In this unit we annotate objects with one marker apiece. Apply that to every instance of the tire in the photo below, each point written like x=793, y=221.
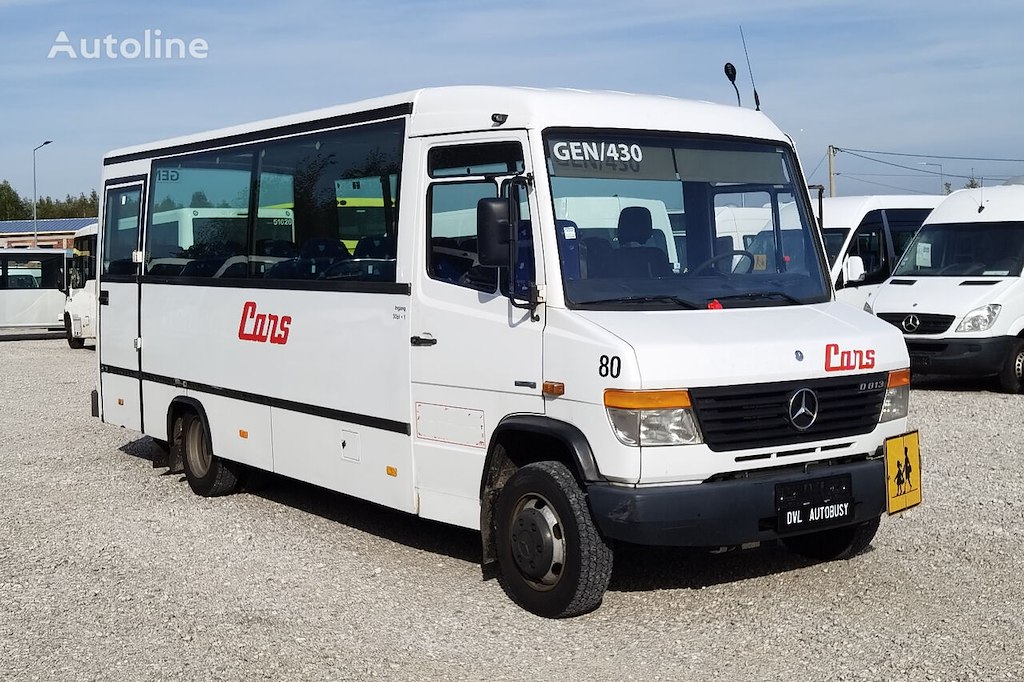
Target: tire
x=207, y=474
x=552, y=560
x=1011, y=377
x=834, y=543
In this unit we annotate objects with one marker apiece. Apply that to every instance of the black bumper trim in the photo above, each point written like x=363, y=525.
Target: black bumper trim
x=721, y=513
x=963, y=357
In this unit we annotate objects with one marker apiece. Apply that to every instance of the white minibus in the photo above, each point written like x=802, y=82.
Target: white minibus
x=875, y=228
x=80, y=307
x=957, y=293
x=32, y=287
x=518, y=343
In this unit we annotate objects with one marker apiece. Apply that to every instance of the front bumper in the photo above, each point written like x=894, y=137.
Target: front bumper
x=963, y=357
x=721, y=513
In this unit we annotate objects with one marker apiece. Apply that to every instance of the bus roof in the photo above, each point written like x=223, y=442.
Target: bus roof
x=848, y=212
x=1003, y=203
x=470, y=108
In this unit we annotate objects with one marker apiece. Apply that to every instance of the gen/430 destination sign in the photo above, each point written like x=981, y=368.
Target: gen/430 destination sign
x=609, y=158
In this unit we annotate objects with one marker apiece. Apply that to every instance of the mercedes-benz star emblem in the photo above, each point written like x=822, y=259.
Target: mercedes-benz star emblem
x=803, y=409
x=911, y=323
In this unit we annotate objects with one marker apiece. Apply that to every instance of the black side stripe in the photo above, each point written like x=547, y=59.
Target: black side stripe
x=290, y=405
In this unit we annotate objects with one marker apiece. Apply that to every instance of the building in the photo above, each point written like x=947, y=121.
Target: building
x=51, y=232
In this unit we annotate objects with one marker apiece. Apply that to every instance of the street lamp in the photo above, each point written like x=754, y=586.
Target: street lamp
x=35, y=220
x=942, y=184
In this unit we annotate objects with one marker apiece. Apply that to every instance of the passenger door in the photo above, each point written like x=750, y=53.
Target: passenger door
x=117, y=344
x=475, y=357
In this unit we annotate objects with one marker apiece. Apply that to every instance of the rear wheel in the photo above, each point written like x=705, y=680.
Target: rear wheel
x=1011, y=377
x=207, y=474
x=834, y=543
x=553, y=561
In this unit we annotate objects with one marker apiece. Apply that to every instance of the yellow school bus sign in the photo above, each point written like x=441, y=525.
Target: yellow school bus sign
x=903, y=471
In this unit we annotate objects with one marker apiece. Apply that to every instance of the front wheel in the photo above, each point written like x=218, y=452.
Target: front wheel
x=834, y=543
x=553, y=560
x=207, y=474
x=1011, y=377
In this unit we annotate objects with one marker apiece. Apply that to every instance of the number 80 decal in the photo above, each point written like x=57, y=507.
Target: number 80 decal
x=610, y=366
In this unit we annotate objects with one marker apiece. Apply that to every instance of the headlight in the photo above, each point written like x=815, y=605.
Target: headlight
x=897, y=396
x=652, y=417
x=980, y=319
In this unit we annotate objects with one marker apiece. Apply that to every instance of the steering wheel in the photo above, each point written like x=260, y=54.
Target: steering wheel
x=722, y=256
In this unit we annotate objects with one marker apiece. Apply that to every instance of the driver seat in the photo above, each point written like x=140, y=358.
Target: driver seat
x=636, y=257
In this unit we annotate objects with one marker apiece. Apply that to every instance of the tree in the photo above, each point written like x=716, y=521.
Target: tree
x=972, y=182
x=12, y=206
x=168, y=204
x=199, y=200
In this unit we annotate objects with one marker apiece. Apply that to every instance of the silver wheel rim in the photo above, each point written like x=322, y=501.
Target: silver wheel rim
x=1018, y=365
x=196, y=450
x=537, y=537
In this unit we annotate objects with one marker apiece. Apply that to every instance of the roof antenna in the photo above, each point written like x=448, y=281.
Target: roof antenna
x=730, y=73
x=757, y=100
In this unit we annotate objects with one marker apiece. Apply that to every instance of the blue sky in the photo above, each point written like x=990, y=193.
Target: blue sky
x=913, y=77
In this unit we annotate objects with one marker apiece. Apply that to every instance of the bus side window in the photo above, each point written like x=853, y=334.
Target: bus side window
x=121, y=230
x=328, y=206
x=199, y=221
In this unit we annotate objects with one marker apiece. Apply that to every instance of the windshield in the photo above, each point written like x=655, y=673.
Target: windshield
x=835, y=237
x=965, y=249
x=680, y=221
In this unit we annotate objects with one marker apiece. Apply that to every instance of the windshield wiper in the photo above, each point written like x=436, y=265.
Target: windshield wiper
x=659, y=298
x=756, y=295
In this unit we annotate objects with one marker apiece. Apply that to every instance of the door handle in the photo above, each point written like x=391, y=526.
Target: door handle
x=423, y=341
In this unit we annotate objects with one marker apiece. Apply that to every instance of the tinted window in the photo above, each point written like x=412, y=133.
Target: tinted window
x=121, y=230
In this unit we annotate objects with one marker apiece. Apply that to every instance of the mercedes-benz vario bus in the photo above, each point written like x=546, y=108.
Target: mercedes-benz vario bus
x=520, y=345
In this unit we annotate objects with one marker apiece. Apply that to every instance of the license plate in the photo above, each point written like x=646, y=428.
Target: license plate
x=903, y=471
x=802, y=505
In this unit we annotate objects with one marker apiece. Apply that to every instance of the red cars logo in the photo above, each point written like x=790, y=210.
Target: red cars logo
x=263, y=327
x=837, y=360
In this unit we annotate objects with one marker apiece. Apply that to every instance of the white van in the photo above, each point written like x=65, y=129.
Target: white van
x=518, y=344
x=875, y=228
x=957, y=293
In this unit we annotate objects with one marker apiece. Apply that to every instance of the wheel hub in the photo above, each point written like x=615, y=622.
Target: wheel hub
x=537, y=543
x=1018, y=365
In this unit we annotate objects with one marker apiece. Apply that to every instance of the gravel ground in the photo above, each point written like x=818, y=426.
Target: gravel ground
x=113, y=570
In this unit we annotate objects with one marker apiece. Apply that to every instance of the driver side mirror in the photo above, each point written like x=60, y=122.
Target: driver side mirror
x=853, y=270
x=493, y=231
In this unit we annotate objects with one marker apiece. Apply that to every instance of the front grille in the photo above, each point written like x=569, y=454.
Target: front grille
x=757, y=415
x=928, y=323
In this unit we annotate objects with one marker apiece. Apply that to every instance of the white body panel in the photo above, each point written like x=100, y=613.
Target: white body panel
x=26, y=300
